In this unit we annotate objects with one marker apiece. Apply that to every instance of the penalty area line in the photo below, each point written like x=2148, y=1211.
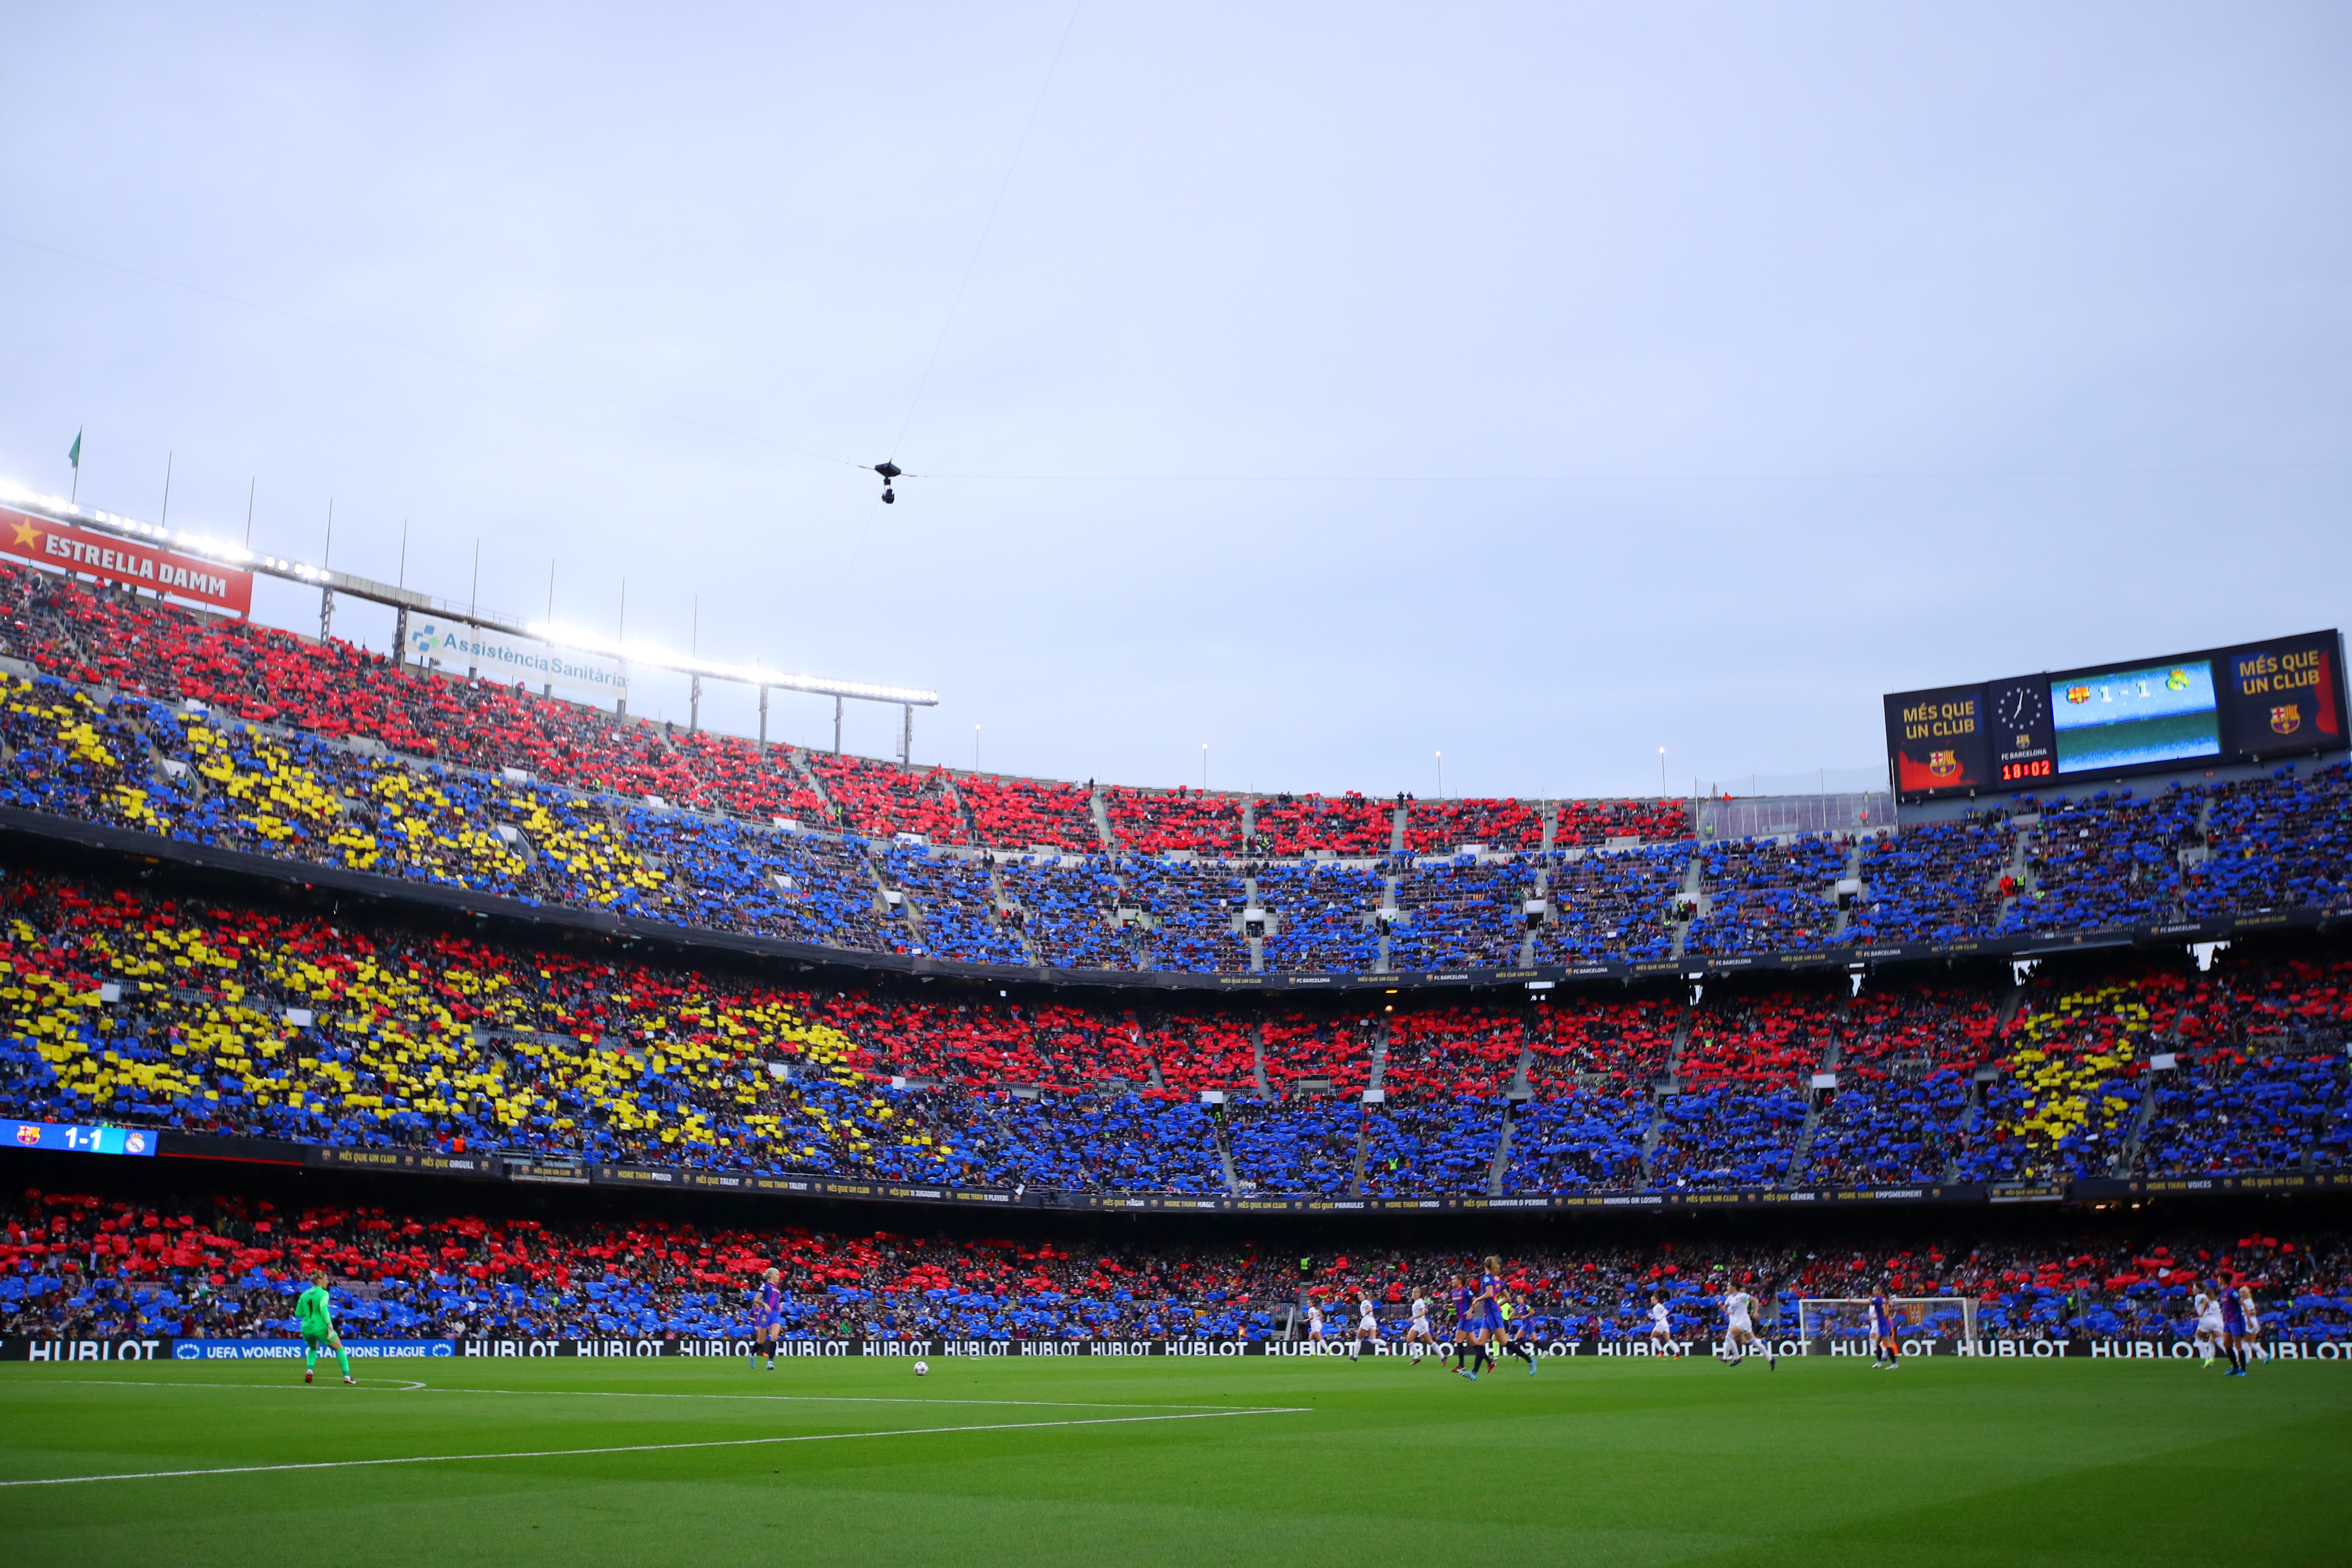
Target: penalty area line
x=648, y=1448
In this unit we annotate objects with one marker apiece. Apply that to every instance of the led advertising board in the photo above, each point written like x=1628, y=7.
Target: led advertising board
x=2280, y=698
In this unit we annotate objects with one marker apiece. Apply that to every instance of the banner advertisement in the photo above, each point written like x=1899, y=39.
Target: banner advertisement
x=293, y=1350
x=2286, y=695
x=1937, y=739
x=61, y=547
x=456, y=644
x=40, y=1350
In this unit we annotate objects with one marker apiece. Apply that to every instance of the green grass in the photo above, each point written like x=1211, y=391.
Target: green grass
x=1824, y=1462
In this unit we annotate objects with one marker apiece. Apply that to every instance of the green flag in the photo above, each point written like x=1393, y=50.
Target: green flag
x=73, y=454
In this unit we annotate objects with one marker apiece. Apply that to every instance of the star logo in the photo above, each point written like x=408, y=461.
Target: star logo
x=27, y=536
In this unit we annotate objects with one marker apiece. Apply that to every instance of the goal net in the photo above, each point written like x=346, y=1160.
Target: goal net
x=1916, y=1317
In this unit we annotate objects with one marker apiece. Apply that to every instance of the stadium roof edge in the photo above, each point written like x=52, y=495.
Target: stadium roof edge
x=414, y=600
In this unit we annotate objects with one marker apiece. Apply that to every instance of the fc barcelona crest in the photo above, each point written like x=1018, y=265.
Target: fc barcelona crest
x=1944, y=764
x=2287, y=718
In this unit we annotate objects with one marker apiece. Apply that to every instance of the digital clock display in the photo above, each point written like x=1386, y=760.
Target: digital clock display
x=2022, y=741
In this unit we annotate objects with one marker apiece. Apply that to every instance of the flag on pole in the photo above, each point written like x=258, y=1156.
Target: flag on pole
x=73, y=454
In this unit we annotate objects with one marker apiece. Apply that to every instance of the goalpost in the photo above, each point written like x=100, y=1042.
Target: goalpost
x=1916, y=1317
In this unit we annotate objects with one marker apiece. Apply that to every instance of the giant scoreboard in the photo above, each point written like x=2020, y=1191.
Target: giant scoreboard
x=2280, y=698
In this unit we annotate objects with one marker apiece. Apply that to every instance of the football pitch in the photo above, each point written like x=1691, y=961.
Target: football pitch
x=1098, y=1461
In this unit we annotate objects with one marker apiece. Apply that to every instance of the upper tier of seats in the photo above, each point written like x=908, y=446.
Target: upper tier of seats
x=223, y=1018
x=100, y=637
x=276, y=745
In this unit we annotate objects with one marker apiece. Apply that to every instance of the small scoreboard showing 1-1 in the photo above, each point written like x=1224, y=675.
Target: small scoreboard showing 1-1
x=2284, y=697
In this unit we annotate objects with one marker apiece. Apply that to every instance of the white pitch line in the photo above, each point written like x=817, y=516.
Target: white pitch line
x=650, y=1448
x=408, y=1386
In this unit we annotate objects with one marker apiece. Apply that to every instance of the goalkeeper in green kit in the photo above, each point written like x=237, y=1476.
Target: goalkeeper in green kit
x=315, y=1320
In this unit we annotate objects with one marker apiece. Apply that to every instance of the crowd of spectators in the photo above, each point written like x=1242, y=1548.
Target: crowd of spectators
x=1323, y=916
x=224, y=1264
x=1444, y=827
x=1347, y=825
x=1613, y=904
x=131, y=664
x=295, y=794
x=1938, y=882
x=1766, y=896
x=215, y=1016
x=1462, y=911
x=1155, y=822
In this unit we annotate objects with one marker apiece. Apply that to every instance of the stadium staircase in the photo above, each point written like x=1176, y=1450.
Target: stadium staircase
x=1224, y=1154
x=1257, y=1060
x=2127, y=1152
x=1004, y=906
x=1396, y=830
x=1693, y=881
x=1551, y=823
x=1519, y=1087
x=1388, y=909
x=1673, y=1077
x=1527, y=936
x=1101, y=809
x=1665, y=1089
x=1650, y=1139
x=1852, y=873
x=1801, y=1153
x=1502, y=1164
x=1257, y=944
x=2024, y=832
x=891, y=914
x=963, y=811
x=807, y=776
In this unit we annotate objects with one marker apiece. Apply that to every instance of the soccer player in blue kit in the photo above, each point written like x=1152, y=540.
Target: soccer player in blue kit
x=1498, y=1323
x=1886, y=1354
x=2234, y=1328
x=1469, y=1330
x=767, y=1317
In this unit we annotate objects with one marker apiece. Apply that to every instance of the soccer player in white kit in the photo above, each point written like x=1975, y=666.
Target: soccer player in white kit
x=1315, y=1326
x=2209, y=1328
x=1368, y=1329
x=1737, y=1306
x=1417, y=1332
x=2252, y=1339
x=1662, y=1329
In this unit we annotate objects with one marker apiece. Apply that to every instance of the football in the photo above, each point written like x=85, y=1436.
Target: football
x=922, y=1369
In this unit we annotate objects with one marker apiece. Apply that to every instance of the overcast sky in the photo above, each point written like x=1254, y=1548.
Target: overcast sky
x=1332, y=385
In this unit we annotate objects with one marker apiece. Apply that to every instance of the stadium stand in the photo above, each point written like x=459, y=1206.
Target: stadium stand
x=1156, y=822
x=223, y=1264
x=212, y=1015
x=1444, y=827
x=492, y=790
x=232, y=736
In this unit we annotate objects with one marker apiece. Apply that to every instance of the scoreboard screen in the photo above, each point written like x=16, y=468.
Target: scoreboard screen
x=2284, y=697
